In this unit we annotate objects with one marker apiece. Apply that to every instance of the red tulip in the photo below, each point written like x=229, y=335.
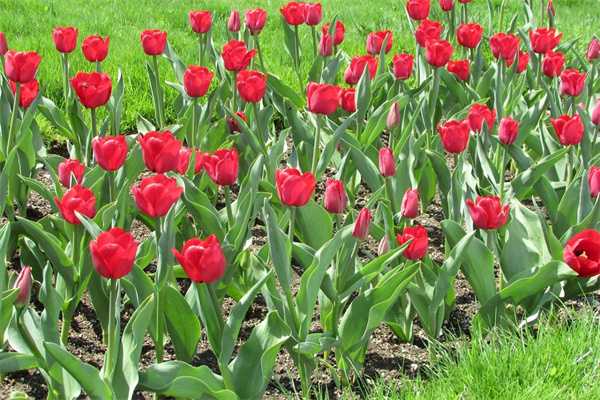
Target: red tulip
x=596, y=114
x=110, y=152
x=582, y=253
x=569, y=130
x=28, y=92
x=232, y=125
x=393, y=118
x=185, y=156
x=446, y=5
x=410, y=204
x=428, y=30
x=543, y=40
x=387, y=163
x=200, y=21
x=375, y=41
x=23, y=283
x=594, y=181
x=153, y=41
x=79, y=199
x=95, y=49
x=20, y=66
x=347, y=100
x=550, y=9
x=65, y=39
x=403, y=65
x=160, y=151
x=438, y=52
x=459, y=68
x=312, y=14
x=113, y=253
x=417, y=249
x=508, y=130
x=293, y=13
x=251, y=85
x=294, y=189
x=68, y=168
x=255, y=20
x=222, y=166
x=522, y=63
x=335, y=197
x=93, y=90
x=571, y=82
x=479, y=113
x=464, y=1
x=234, y=24
x=418, y=9
x=323, y=99
x=593, y=51
x=196, y=81
x=504, y=46
x=3, y=44
x=487, y=212
x=362, y=226
x=236, y=56
x=552, y=64
x=326, y=45
x=384, y=246
x=357, y=66
x=455, y=135
x=469, y=35
x=156, y=195
x=202, y=260
x=338, y=34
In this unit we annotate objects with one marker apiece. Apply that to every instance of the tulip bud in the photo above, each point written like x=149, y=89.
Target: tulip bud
x=387, y=163
x=70, y=167
x=384, y=246
x=335, y=197
x=3, y=45
x=410, y=204
x=232, y=125
x=446, y=5
x=596, y=114
x=393, y=118
x=594, y=180
x=362, y=226
x=234, y=21
x=348, y=100
x=508, y=130
x=569, y=129
x=593, y=51
x=326, y=45
x=23, y=283
x=550, y=9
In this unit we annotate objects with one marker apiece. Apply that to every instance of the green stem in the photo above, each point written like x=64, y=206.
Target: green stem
x=433, y=101
x=98, y=67
x=499, y=92
x=192, y=143
x=65, y=65
x=539, y=70
x=292, y=223
x=260, y=56
x=160, y=100
x=570, y=166
x=230, y=219
x=88, y=140
x=542, y=13
x=344, y=273
x=465, y=16
x=288, y=290
x=502, y=167
x=501, y=16
x=261, y=136
x=297, y=58
x=389, y=190
x=315, y=158
x=114, y=331
x=201, y=49
x=234, y=91
x=66, y=326
x=594, y=140
x=160, y=306
x=12, y=132
x=314, y=37
x=111, y=186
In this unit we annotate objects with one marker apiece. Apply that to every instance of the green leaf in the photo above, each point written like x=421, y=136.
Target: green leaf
x=183, y=326
x=276, y=84
x=6, y=310
x=523, y=182
x=12, y=362
x=331, y=146
x=314, y=224
x=279, y=246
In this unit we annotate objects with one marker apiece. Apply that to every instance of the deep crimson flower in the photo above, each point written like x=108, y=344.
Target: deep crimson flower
x=312, y=14
x=20, y=66
x=569, y=130
x=464, y=1
x=362, y=226
x=196, y=80
x=222, y=166
x=582, y=253
x=185, y=156
x=428, y=30
x=3, y=44
x=479, y=113
x=255, y=20
x=504, y=46
x=469, y=35
x=335, y=197
x=200, y=21
x=232, y=125
x=571, y=82
x=160, y=151
x=596, y=114
x=455, y=135
x=338, y=34
x=322, y=98
x=418, y=9
x=236, y=56
x=95, y=49
x=417, y=249
x=593, y=51
x=357, y=66
x=403, y=65
x=294, y=189
x=347, y=100
x=23, y=283
x=508, y=130
x=113, y=253
x=543, y=40
x=153, y=41
x=438, y=52
x=375, y=41
x=202, y=260
x=293, y=13
x=410, y=204
x=552, y=64
x=459, y=68
x=79, y=199
x=487, y=212
x=110, y=152
x=522, y=63
x=234, y=24
x=446, y=5
x=387, y=163
x=93, y=90
x=28, y=92
x=156, y=195
x=326, y=45
x=65, y=39
x=68, y=168
x=251, y=85
x=594, y=181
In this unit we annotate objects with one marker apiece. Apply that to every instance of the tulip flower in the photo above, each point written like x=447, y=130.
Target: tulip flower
x=552, y=64
x=569, y=130
x=95, y=49
x=232, y=125
x=508, y=130
x=410, y=204
x=522, y=63
x=80, y=199
x=428, y=30
x=110, y=152
x=459, y=68
x=357, y=66
x=23, y=283
x=596, y=114
x=293, y=13
x=312, y=14
x=3, y=44
x=251, y=86
x=487, y=212
x=113, y=253
x=236, y=56
x=446, y=5
x=504, y=46
x=322, y=98
x=594, y=181
x=550, y=9
x=156, y=195
x=160, y=151
x=469, y=35
x=571, y=82
x=418, y=9
x=593, y=51
x=153, y=41
x=234, y=23
x=479, y=113
x=455, y=135
x=347, y=100
x=21, y=67
x=338, y=34
x=29, y=92
x=417, y=249
x=403, y=65
x=375, y=41
x=93, y=90
x=65, y=39
x=294, y=189
x=387, y=163
x=362, y=226
x=582, y=253
x=222, y=166
x=68, y=168
x=544, y=40
x=326, y=45
x=393, y=118
x=464, y=1
x=438, y=52
x=200, y=21
x=196, y=80
x=185, y=156
x=384, y=246
x=255, y=20
x=335, y=197
x=202, y=260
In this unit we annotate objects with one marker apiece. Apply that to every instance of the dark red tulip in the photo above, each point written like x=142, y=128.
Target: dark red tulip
x=571, y=82
x=593, y=51
x=326, y=45
x=552, y=64
x=375, y=41
x=335, y=197
x=95, y=49
x=428, y=30
x=65, y=39
x=68, y=168
x=113, y=253
x=255, y=20
x=28, y=92
x=362, y=226
x=293, y=13
x=504, y=46
x=569, y=130
x=469, y=35
x=232, y=125
x=251, y=85
x=347, y=100
x=156, y=195
x=438, y=52
x=234, y=23
x=338, y=34
x=20, y=66
x=417, y=249
x=110, y=152
x=236, y=56
x=93, y=90
x=357, y=66
x=446, y=5
x=418, y=9
x=160, y=151
x=410, y=204
x=403, y=65
x=23, y=283
x=464, y=1
x=294, y=189
x=185, y=156
x=543, y=40
x=312, y=14
x=196, y=81
x=202, y=260
x=459, y=68
x=455, y=135
x=479, y=113
x=153, y=41
x=550, y=9
x=79, y=199
x=222, y=166
x=582, y=253
x=322, y=98
x=523, y=61
x=387, y=163
x=508, y=130
x=200, y=21
x=487, y=212
x=3, y=44
x=594, y=181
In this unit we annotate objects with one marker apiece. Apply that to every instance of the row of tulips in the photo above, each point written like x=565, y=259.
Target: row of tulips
x=388, y=133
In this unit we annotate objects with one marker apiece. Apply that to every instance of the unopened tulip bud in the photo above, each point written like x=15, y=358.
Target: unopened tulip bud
x=3, y=45
x=596, y=114
x=594, y=180
x=550, y=9
x=410, y=204
x=508, y=130
x=335, y=197
x=387, y=164
x=384, y=246
x=593, y=51
x=23, y=283
x=326, y=45
x=393, y=118
x=362, y=226
x=234, y=21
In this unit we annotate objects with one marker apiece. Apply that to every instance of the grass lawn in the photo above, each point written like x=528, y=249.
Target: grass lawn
x=28, y=26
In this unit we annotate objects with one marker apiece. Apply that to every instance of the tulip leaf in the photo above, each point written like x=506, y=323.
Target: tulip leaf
x=330, y=72
x=57, y=118
x=568, y=209
x=276, y=84
x=378, y=119
x=12, y=362
x=363, y=96
x=279, y=246
x=210, y=313
x=313, y=224
x=331, y=146
x=183, y=326
x=178, y=65
x=197, y=203
x=115, y=104
x=592, y=221
x=6, y=311
x=367, y=168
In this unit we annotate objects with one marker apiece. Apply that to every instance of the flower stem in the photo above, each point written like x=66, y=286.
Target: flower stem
x=297, y=58
x=111, y=186
x=570, y=167
x=98, y=67
x=234, y=91
x=12, y=133
x=260, y=56
x=88, y=140
x=114, y=331
x=502, y=167
x=499, y=90
x=159, y=101
x=314, y=38
x=261, y=136
x=201, y=49
x=194, y=123
x=433, y=101
x=230, y=219
x=65, y=66
x=389, y=190
x=158, y=344
x=315, y=157
x=288, y=290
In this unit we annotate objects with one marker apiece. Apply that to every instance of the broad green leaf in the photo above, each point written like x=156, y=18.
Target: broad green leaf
x=183, y=326
x=12, y=362
x=314, y=224
x=279, y=246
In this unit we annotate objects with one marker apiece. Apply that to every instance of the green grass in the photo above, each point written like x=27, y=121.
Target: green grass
x=28, y=26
